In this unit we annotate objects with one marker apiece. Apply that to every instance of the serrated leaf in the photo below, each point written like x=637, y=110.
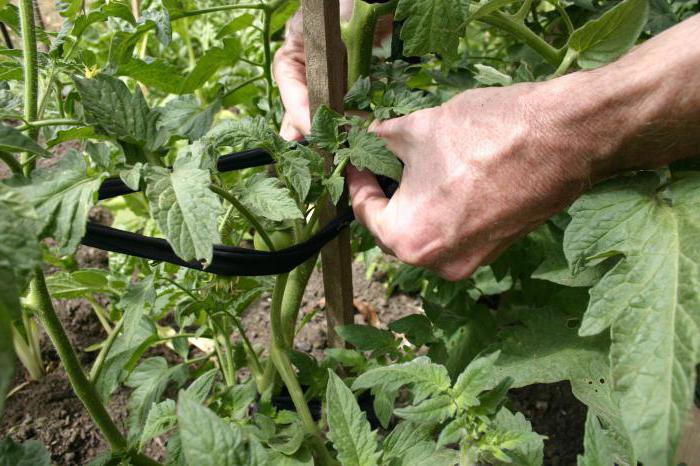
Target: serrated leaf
x=359, y=94
x=474, y=380
x=248, y=133
x=430, y=411
x=295, y=168
x=426, y=378
x=110, y=106
x=206, y=439
x=267, y=198
x=62, y=196
x=81, y=283
x=602, y=40
x=185, y=209
x=404, y=436
x=28, y=453
x=367, y=151
x=324, y=129
x=335, y=184
x=19, y=251
x=490, y=76
x=13, y=141
x=162, y=417
x=349, y=430
x=432, y=26
x=161, y=20
x=525, y=446
x=648, y=299
x=183, y=116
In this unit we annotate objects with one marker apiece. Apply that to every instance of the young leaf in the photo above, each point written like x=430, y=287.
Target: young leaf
x=359, y=95
x=206, y=439
x=63, y=196
x=432, y=26
x=267, y=198
x=404, y=436
x=490, y=76
x=335, y=185
x=367, y=151
x=110, y=106
x=524, y=446
x=12, y=141
x=185, y=209
x=474, y=380
x=184, y=117
x=602, y=40
x=648, y=299
x=348, y=427
x=162, y=417
x=324, y=129
x=249, y=133
x=427, y=379
x=431, y=411
x=295, y=168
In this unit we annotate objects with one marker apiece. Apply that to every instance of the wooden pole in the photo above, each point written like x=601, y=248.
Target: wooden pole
x=326, y=77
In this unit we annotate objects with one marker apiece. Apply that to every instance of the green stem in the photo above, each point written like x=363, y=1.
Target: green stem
x=41, y=301
x=278, y=355
x=243, y=210
x=50, y=122
x=104, y=351
x=12, y=163
x=358, y=36
x=566, y=63
x=291, y=304
x=564, y=15
x=243, y=84
x=521, y=14
x=257, y=367
x=214, y=9
x=225, y=357
x=267, y=69
x=524, y=34
x=31, y=73
x=100, y=313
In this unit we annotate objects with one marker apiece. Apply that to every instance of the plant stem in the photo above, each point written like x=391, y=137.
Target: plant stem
x=31, y=73
x=99, y=362
x=298, y=279
x=278, y=355
x=566, y=63
x=257, y=367
x=50, y=122
x=41, y=302
x=520, y=15
x=243, y=84
x=267, y=69
x=553, y=55
x=100, y=313
x=214, y=9
x=564, y=15
x=243, y=210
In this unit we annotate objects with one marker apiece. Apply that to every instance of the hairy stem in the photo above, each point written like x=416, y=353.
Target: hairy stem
x=49, y=122
x=31, y=73
x=243, y=210
x=553, y=55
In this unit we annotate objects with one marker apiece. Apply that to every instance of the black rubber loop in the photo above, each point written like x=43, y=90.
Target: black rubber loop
x=226, y=260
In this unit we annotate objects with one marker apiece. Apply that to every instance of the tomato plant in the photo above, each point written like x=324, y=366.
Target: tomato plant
x=154, y=93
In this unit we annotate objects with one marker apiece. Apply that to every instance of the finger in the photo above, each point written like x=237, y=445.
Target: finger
x=368, y=200
x=290, y=74
x=288, y=131
x=396, y=135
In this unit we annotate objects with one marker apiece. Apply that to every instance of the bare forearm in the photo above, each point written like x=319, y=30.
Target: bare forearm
x=642, y=111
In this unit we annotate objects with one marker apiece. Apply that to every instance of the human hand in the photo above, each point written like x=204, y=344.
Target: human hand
x=480, y=172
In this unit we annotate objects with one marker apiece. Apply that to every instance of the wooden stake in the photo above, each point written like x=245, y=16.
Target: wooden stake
x=326, y=77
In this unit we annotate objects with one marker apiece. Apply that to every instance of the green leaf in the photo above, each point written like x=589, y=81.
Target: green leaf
x=110, y=106
x=474, y=380
x=431, y=411
x=185, y=209
x=28, y=453
x=648, y=299
x=294, y=167
x=490, y=76
x=416, y=327
x=426, y=378
x=404, y=436
x=359, y=96
x=288, y=440
x=432, y=26
x=161, y=19
x=206, y=439
x=661, y=16
x=238, y=23
x=368, y=338
x=367, y=151
x=80, y=132
x=602, y=40
x=602, y=445
x=525, y=446
x=162, y=418
x=149, y=380
x=486, y=7
x=248, y=133
x=82, y=283
x=210, y=62
x=63, y=196
x=183, y=116
x=268, y=199
x=12, y=141
x=324, y=129
x=335, y=184
x=349, y=430
x=19, y=252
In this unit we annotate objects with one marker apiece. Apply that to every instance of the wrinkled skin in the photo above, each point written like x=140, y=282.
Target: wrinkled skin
x=492, y=164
